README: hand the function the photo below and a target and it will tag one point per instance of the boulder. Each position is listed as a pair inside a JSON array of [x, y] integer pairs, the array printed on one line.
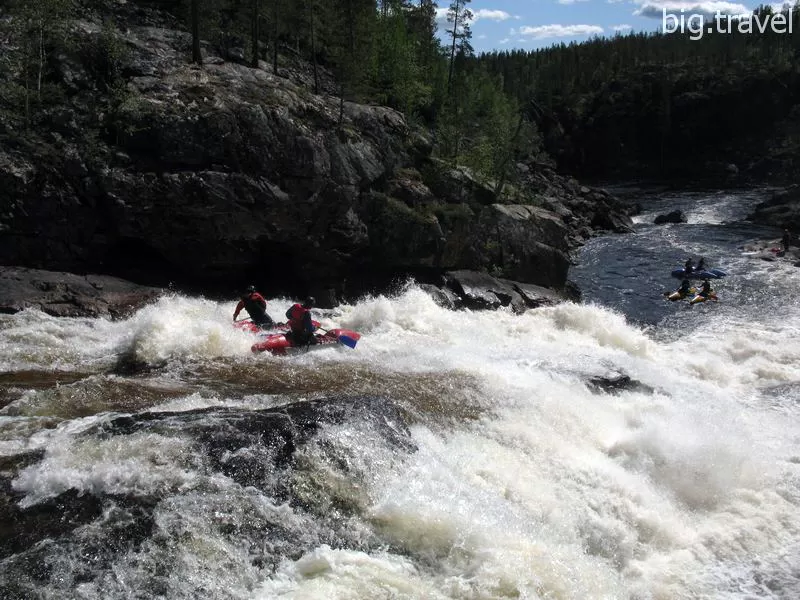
[[443, 296], [477, 290], [675, 216], [519, 242], [69, 295], [781, 210], [614, 384]]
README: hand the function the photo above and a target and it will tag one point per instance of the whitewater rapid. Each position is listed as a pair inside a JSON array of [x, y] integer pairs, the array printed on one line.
[[525, 482]]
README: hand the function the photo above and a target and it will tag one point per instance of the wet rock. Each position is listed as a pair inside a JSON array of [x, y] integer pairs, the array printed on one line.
[[70, 295], [781, 210], [81, 537], [676, 216], [519, 242], [618, 383], [482, 291], [443, 296]]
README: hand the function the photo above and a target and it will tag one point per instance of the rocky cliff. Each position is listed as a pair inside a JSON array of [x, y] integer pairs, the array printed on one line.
[[221, 174]]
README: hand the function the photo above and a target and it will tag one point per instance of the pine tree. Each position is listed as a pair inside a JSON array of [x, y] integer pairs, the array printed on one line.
[[459, 18]]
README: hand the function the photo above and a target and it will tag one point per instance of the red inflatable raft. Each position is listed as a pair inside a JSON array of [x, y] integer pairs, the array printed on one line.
[[278, 344]]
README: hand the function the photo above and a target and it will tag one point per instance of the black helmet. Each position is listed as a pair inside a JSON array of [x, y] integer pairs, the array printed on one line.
[[250, 289], [309, 302]]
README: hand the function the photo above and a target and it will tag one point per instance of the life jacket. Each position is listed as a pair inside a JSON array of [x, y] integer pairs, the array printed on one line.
[[254, 304], [296, 315]]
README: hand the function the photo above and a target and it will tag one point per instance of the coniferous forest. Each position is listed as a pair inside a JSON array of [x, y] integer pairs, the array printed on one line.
[[629, 105]]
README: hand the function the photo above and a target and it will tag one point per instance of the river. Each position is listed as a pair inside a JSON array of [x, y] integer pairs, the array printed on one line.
[[472, 459]]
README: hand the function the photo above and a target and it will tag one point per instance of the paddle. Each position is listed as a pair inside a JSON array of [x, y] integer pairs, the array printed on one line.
[[348, 340]]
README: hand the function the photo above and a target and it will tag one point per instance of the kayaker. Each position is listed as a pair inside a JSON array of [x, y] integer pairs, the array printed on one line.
[[301, 327], [786, 240], [688, 267], [701, 264], [686, 285], [705, 290], [256, 306]]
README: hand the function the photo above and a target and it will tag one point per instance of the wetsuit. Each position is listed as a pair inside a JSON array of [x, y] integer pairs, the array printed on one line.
[[301, 331], [786, 240], [256, 307]]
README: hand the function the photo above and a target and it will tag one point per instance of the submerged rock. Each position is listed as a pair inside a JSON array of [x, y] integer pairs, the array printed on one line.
[[276, 482], [676, 216], [618, 383]]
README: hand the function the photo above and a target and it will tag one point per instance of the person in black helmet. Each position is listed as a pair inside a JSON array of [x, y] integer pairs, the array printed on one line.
[[706, 290], [301, 327], [256, 306]]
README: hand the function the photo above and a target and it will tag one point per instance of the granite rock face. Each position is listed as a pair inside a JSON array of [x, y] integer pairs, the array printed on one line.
[[222, 175]]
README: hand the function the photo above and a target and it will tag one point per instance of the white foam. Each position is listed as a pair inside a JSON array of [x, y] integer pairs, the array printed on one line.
[[550, 491]]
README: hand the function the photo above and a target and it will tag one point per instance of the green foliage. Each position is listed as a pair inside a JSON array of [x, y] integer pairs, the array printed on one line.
[[34, 30], [104, 55], [398, 232], [486, 111]]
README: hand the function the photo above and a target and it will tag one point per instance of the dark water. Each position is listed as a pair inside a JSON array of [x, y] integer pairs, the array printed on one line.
[[629, 273]]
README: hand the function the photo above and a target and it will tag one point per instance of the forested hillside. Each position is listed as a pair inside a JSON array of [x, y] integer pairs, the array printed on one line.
[[633, 104], [388, 53], [659, 105]]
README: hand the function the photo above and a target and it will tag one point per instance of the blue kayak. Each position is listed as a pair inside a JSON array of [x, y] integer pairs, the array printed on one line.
[[704, 274]]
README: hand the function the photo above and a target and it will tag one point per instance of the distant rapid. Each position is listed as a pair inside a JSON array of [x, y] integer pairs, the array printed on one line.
[[471, 457]]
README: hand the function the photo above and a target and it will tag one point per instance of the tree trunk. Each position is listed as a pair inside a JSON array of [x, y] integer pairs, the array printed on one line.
[[275, 35], [341, 104], [453, 49], [25, 74], [255, 33], [197, 57], [503, 168], [41, 62], [313, 46]]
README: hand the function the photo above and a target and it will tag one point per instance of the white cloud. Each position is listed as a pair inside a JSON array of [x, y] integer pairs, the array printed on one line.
[[553, 31], [481, 36], [622, 27], [517, 17], [490, 15], [655, 8], [504, 41], [487, 14], [570, 1]]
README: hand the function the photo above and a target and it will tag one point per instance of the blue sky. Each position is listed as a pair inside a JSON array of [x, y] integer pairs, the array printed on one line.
[[530, 24]]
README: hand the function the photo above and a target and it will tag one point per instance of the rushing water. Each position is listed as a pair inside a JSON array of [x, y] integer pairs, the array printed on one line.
[[518, 479]]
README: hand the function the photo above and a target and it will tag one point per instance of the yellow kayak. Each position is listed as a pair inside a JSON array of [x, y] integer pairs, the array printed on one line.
[[677, 295], [699, 298]]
